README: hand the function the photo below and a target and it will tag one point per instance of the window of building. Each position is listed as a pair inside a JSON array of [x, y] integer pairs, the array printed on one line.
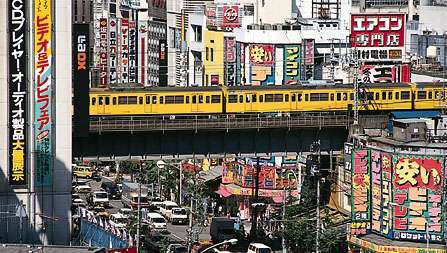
[[212, 54], [206, 55], [197, 29]]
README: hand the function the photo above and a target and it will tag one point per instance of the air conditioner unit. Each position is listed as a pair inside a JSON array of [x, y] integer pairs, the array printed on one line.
[[253, 27], [266, 27]]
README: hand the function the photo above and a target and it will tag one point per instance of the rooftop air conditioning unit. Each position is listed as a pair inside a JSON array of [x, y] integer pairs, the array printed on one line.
[[266, 27]]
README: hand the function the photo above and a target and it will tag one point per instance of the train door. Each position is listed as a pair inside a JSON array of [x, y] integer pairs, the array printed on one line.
[[295, 101], [250, 98], [104, 104], [149, 102], [195, 102]]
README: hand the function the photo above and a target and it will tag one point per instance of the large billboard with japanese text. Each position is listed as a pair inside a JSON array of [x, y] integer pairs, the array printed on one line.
[[43, 101], [262, 61], [230, 60], [113, 50], [103, 53], [292, 64], [18, 92], [142, 48], [384, 73], [132, 52], [361, 190], [124, 51]]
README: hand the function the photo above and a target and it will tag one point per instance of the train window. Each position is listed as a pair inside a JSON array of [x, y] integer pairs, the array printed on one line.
[[241, 99], [161, 99], [114, 100], [140, 100], [324, 97], [332, 96], [187, 99], [390, 95], [377, 96], [200, 99], [405, 95], [438, 95], [154, 100], [300, 97], [345, 96], [207, 99], [306, 97], [383, 95], [338, 96], [253, 98], [100, 101], [430, 96], [261, 98], [132, 100], [396, 95], [122, 100], [278, 97], [148, 100], [370, 95], [351, 96], [268, 98], [107, 100], [93, 101], [179, 99], [194, 99], [247, 98], [169, 100], [293, 97], [215, 99], [422, 94], [314, 97], [232, 99], [287, 98]]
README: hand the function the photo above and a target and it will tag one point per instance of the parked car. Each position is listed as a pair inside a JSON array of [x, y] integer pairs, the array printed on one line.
[[118, 220], [166, 209], [112, 189], [258, 248], [98, 198], [179, 215], [82, 186]]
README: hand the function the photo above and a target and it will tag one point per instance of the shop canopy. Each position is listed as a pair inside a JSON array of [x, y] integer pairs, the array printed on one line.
[[223, 192]]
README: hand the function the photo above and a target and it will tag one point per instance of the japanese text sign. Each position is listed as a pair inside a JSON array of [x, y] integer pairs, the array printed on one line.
[[103, 52], [360, 192], [262, 54], [292, 64], [230, 16], [378, 30]]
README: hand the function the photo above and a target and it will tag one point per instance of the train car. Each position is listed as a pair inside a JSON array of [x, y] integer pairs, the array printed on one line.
[[429, 96], [156, 101]]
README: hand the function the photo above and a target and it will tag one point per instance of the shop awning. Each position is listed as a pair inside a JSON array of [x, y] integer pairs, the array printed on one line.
[[278, 199], [223, 192]]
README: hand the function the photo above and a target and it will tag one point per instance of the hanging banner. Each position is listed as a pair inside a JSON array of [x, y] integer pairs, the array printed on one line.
[[132, 52], [142, 58], [292, 64], [113, 50], [18, 95], [103, 58], [309, 48], [124, 64], [230, 60], [43, 135], [81, 79]]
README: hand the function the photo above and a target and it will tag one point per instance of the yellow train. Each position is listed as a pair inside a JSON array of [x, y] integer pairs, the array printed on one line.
[[245, 99]]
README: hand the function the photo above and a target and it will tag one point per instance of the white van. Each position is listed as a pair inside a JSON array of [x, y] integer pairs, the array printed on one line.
[[118, 220], [166, 209], [179, 216], [155, 221], [258, 248]]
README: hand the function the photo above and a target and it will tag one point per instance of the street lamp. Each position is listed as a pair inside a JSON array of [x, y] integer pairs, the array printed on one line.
[[161, 165], [233, 241], [426, 221], [284, 248]]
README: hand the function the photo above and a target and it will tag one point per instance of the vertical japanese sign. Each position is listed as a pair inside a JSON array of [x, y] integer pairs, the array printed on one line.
[[81, 79], [376, 191], [230, 60], [163, 63], [103, 53], [230, 16], [418, 191], [292, 64], [142, 58], [309, 48], [360, 210], [132, 52], [386, 166], [113, 50], [43, 133], [211, 16], [238, 63], [124, 72], [17, 79], [262, 59]]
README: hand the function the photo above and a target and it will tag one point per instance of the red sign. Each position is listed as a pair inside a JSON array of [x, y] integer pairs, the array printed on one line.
[[230, 16], [214, 79], [211, 16], [418, 172], [384, 73], [309, 52], [262, 54], [378, 30]]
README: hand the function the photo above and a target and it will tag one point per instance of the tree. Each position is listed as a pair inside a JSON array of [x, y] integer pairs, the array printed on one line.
[[129, 167]]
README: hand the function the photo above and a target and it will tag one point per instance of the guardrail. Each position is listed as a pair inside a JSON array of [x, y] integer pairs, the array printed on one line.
[[218, 122]]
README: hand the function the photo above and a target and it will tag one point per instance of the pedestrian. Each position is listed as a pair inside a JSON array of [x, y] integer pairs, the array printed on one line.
[[219, 210]]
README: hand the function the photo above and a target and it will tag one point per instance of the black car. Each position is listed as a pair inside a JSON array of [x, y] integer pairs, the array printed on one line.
[[112, 189], [157, 242]]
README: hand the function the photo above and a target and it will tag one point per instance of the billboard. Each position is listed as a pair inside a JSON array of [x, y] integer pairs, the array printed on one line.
[[262, 61], [360, 209], [230, 60], [309, 48], [230, 16], [18, 94], [103, 52], [386, 191], [418, 191], [142, 48], [81, 79], [124, 48], [132, 52], [292, 64], [43, 129], [113, 50], [163, 63], [384, 73], [211, 16]]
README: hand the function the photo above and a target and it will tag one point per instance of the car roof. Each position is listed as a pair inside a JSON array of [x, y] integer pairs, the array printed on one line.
[[100, 192], [167, 202], [154, 215], [260, 245], [117, 215]]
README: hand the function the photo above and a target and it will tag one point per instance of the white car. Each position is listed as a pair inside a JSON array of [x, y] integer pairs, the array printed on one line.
[[156, 221], [100, 198], [258, 248], [82, 187], [76, 200], [166, 209], [118, 220], [179, 215], [125, 212]]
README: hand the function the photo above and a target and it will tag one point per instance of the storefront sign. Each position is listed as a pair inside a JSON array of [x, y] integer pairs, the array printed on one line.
[[103, 52], [230, 61], [211, 16], [132, 52], [43, 129], [261, 54], [124, 40], [292, 64], [230, 16], [18, 94], [142, 48], [378, 30], [309, 52], [380, 54], [360, 193], [113, 50]]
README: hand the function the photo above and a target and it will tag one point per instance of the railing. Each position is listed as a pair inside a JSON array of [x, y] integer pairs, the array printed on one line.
[[219, 122]]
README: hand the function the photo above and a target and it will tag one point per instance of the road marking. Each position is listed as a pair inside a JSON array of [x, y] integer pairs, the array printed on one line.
[[178, 237]]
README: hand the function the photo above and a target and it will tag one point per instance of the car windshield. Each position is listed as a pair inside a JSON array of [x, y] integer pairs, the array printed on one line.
[[120, 220], [264, 250], [179, 211], [126, 211], [142, 199], [158, 220], [101, 195], [80, 183], [169, 207]]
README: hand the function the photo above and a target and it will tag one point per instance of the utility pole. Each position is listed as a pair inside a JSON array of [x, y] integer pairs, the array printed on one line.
[[316, 171], [192, 195], [138, 208]]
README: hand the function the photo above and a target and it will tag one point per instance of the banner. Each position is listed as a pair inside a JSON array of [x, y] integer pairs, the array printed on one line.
[[309, 47], [142, 48], [103, 58], [163, 63], [43, 132], [81, 78], [292, 64], [230, 16], [124, 40], [230, 60], [113, 50], [18, 95], [361, 188], [384, 73], [132, 52]]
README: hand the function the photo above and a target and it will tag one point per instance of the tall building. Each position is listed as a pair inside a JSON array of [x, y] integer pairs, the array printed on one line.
[[35, 101], [158, 45]]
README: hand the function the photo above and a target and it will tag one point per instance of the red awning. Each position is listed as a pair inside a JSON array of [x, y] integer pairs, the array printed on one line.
[[278, 199], [223, 192]]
